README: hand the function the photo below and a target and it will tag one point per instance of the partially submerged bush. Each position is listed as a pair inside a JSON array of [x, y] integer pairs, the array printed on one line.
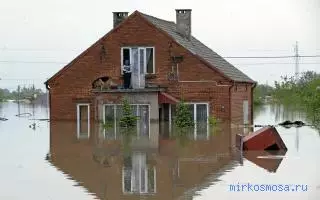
[[183, 117], [128, 120], [213, 121]]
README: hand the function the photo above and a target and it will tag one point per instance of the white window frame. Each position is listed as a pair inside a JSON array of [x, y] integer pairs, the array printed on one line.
[[194, 116], [78, 119], [146, 182], [145, 57], [245, 117], [130, 54], [115, 121]]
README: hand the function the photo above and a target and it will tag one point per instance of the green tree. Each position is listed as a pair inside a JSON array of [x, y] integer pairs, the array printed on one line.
[[260, 92], [300, 93], [127, 120], [183, 116]]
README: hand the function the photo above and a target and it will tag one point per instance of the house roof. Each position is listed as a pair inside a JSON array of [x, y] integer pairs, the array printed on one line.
[[198, 48], [193, 45]]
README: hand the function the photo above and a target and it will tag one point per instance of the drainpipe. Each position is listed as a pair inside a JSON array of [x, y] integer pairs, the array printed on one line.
[[252, 88], [48, 99], [230, 99]]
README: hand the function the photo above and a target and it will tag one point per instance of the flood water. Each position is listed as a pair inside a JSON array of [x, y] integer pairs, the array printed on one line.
[[48, 161]]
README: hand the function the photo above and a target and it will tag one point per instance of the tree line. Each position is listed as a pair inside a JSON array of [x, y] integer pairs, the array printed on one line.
[[299, 93], [20, 93], [303, 91]]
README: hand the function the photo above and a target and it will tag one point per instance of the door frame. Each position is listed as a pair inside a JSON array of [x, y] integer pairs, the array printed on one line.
[[245, 111]]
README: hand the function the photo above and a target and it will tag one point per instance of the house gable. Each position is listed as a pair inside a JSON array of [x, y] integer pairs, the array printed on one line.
[[136, 30], [84, 53]]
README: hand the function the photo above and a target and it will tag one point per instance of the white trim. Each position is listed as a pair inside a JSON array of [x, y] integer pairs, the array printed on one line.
[[78, 118], [245, 104], [155, 179], [195, 116], [115, 120]]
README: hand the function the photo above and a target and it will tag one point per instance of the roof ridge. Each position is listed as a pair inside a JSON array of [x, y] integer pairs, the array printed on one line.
[[157, 18]]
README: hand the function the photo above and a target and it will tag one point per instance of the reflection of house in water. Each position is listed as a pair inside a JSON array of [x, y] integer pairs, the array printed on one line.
[[269, 160], [118, 167]]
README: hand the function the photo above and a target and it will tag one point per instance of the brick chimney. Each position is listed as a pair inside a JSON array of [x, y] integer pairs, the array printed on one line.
[[118, 17], [183, 22]]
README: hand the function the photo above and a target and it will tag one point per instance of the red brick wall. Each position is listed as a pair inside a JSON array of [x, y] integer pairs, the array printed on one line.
[[75, 81], [239, 93]]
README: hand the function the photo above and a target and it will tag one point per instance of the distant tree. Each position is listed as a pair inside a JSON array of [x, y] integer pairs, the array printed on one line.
[[1, 95], [260, 92], [20, 92]]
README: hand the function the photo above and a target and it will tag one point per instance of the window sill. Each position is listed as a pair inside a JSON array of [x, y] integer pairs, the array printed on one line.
[[147, 76]]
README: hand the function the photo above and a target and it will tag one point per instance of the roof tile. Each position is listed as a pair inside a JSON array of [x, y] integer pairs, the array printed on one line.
[[198, 48]]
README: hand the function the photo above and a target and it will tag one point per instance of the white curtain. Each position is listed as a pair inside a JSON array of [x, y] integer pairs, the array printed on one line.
[[135, 68]]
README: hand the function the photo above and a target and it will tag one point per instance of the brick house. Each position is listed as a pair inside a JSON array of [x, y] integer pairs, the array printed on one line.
[[169, 65]]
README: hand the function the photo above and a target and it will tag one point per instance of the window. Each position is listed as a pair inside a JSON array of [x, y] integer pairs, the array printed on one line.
[[145, 58], [112, 114], [200, 114], [83, 120], [137, 175]]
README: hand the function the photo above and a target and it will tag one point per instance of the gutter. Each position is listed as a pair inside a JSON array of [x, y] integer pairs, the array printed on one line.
[[252, 88]]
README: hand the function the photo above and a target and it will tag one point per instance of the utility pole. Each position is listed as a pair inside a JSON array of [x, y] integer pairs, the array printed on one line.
[[296, 50], [33, 98], [19, 100]]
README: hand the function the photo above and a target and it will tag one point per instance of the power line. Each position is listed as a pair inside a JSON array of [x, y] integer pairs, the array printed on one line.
[[276, 63], [304, 56], [36, 50], [235, 57], [31, 62]]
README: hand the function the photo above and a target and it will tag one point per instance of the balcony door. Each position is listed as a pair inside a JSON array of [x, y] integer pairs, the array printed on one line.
[[138, 67]]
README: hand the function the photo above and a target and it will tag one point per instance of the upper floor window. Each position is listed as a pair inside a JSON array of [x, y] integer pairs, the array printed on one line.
[[142, 57]]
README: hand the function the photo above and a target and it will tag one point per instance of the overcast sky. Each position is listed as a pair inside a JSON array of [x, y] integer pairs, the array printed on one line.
[[38, 36]]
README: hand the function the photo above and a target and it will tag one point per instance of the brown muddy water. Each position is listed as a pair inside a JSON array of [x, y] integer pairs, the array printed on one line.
[[48, 161]]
